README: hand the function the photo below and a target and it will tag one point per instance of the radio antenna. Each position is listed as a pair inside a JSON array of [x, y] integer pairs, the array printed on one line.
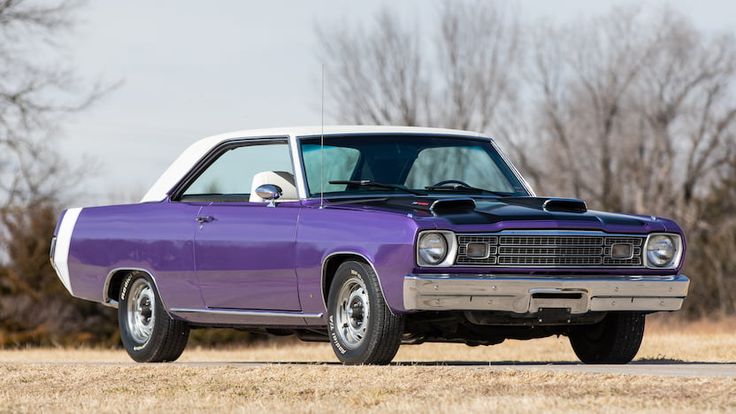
[[322, 147]]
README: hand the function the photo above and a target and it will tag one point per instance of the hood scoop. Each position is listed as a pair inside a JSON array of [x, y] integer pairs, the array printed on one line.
[[452, 205], [432, 205], [565, 205]]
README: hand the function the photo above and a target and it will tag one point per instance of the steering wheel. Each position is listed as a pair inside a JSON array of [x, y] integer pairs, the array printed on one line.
[[445, 182]]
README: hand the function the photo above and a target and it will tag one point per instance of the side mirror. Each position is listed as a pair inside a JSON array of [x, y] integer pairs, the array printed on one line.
[[270, 193]]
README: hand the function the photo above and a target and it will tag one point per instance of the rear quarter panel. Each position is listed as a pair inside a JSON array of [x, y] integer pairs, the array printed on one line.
[[156, 237]]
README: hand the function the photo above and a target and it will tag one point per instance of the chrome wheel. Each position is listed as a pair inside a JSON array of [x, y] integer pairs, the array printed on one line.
[[353, 309], [141, 315]]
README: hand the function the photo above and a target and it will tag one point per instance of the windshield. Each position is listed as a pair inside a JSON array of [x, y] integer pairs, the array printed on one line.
[[406, 164]]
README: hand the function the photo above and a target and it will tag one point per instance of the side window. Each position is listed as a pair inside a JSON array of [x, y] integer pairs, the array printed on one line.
[[331, 164], [468, 164], [237, 171]]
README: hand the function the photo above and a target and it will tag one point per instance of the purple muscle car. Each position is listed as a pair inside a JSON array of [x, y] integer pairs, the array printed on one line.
[[367, 237]]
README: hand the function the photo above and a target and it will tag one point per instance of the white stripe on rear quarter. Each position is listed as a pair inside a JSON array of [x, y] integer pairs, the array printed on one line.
[[63, 242]]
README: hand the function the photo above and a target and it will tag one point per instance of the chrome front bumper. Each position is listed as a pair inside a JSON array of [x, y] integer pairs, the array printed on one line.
[[519, 294]]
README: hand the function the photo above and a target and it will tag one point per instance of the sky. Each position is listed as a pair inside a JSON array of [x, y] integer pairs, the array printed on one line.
[[186, 71]]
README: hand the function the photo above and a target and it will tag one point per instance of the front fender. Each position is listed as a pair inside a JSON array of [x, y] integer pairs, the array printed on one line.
[[384, 240]]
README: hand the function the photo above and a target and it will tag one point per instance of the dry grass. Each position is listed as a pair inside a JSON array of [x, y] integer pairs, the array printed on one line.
[[53, 380]]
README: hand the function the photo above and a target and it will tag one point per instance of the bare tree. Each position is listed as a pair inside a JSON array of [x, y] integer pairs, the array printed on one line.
[[381, 74], [35, 96], [650, 105], [686, 99], [388, 74]]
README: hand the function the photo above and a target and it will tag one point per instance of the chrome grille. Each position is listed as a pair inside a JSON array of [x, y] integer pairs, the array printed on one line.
[[549, 250]]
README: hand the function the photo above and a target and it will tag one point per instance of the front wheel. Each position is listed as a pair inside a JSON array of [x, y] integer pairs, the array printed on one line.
[[147, 331], [614, 340], [362, 328]]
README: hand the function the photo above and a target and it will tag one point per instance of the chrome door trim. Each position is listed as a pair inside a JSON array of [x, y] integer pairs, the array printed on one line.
[[299, 175], [237, 312], [213, 153], [513, 168]]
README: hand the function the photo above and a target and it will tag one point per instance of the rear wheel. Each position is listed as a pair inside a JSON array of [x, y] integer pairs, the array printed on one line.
[[147, 331], [362, 328], [614, 340]]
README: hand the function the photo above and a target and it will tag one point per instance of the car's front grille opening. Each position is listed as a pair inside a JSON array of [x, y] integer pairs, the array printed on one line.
[[551, 240], [552, 250]]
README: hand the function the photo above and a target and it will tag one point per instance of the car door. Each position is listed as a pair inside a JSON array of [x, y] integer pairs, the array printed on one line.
[[244, 247]]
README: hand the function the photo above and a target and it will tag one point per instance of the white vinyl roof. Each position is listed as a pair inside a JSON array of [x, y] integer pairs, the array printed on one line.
[[199, 149]]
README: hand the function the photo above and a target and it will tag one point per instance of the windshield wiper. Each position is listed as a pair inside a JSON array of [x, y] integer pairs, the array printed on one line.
[[462, 187], [369, 183]]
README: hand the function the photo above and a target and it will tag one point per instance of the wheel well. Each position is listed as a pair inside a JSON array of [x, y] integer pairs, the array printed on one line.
[[330, 267], [114, 281]]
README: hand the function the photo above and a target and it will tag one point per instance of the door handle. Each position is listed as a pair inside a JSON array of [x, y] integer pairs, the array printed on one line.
[[204, 219]]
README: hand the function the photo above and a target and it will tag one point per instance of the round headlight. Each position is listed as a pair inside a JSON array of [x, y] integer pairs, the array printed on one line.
[[661, 250], [432, 248]]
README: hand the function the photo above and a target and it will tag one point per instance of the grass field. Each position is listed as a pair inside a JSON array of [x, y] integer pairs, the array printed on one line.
[[426, 379]]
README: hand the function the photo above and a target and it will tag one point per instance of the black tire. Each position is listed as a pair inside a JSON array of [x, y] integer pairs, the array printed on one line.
[[167, 337], [383, 330], [614, 340]]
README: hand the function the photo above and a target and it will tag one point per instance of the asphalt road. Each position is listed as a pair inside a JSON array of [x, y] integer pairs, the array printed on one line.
[[665, 368], [644, 368]]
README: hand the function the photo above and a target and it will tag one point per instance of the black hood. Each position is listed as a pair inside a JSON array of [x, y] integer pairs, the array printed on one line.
[[469, 211]]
